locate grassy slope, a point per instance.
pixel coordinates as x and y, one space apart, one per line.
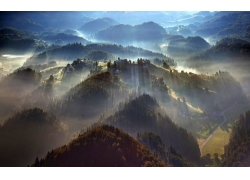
221 136
216 143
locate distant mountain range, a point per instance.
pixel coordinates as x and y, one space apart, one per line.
43 20
127 34
73 51
136 17
16 44
226 50
92 27
228 24
63 39
209 23
183 47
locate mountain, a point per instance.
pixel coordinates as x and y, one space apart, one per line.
94 26
40 67
222 21
228 24
186 47
91 97
144 114
70 31
42 96
199 87
120 33
100 55
41 21
67 52
13 87
155 144
103 146
168 79
20 80
171 37
27 134
180 30
189 98
228 54
219 14
14 44
164 18
226 50
136 17
190 18
71 52
237 150
9 31
127 34
18 33
63 39
14 41
20 20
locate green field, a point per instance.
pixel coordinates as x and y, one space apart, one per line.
221 136
216 143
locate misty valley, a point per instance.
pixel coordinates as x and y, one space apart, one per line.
124 89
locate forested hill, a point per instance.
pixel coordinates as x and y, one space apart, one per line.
96 25
237 152
126 34
40 21
14 86
28 134
186 46
103 146
229 24
20 80
226 50
97 55
91 97
16 43
144 114
155 144
63 39
71 52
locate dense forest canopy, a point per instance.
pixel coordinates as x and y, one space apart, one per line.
155 144
103 146
144 114
186 46
27 134
237 151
